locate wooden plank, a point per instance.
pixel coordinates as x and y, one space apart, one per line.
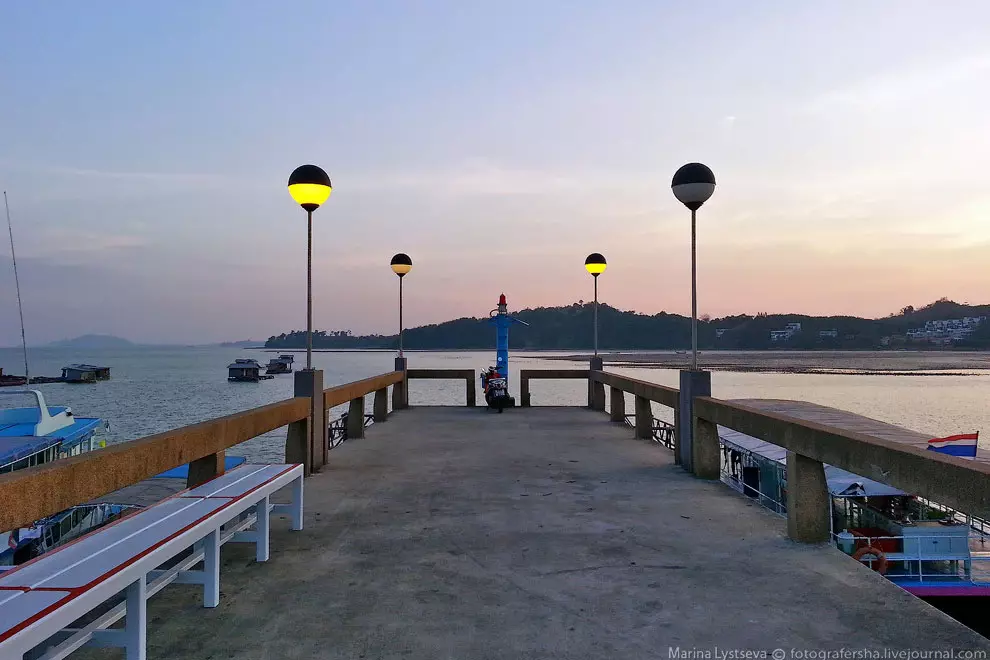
667 396
40 491
955 482
341 394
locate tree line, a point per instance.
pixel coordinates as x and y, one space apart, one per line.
571 328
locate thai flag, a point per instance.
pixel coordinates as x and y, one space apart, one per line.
963 444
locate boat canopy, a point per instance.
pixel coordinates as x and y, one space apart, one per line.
14 448
840 482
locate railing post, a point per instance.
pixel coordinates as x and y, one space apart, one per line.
381 405
470 390
807 500
706 450
677 433
524 397
644 418
306 440
400 391
355 418
203 469
596 390
693 383
618 399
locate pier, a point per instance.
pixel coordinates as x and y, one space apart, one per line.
454 532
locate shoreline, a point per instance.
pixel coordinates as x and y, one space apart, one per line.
865 363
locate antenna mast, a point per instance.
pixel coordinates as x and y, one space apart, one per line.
17 284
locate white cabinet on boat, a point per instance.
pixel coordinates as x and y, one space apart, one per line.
934 540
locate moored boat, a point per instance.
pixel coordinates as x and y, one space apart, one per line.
245 370
280 365
923 547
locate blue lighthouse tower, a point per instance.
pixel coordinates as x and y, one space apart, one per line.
501 320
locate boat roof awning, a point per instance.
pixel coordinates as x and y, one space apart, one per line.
14 448
841 483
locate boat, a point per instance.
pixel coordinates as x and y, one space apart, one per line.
245 370
84 373
39 434
36 435
280 365
925 548
11 381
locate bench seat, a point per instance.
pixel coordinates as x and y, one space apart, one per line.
41 598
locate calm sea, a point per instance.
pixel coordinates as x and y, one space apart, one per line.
156 389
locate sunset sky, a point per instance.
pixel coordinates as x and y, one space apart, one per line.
145 149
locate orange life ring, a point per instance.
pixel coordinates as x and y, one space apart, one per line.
881 565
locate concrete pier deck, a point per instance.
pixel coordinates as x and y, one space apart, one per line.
537 533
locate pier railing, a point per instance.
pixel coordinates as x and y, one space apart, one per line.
467 375
526 375
955 482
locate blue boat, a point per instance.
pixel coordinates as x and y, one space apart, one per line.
40 434
36 435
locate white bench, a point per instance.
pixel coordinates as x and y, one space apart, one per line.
40 599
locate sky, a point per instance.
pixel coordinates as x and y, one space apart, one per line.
145 149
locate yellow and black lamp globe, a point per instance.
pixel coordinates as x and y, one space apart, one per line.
595 264
401 264
310 186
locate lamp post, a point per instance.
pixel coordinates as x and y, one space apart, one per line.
692 185
401 264
595 264
309 186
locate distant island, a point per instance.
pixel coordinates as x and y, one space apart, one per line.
92 342
941 324
244 343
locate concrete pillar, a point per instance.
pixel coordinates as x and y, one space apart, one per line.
693 383
400 391
524 398
808 517
596 390
355 419
470 391
618 400
677 430
203 469
306 441
707 453
644 418
381 405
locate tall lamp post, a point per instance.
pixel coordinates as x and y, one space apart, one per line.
310 186
595 264
692 185
401 264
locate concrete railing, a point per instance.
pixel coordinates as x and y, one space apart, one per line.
467 375
644 393
956 482
36 492
526 375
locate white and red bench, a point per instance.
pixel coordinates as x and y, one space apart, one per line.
137 555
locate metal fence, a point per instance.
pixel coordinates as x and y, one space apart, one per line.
663 432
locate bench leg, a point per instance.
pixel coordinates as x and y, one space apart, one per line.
297 504
261 544
136 620
211 569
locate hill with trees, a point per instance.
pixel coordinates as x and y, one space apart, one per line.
571 327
